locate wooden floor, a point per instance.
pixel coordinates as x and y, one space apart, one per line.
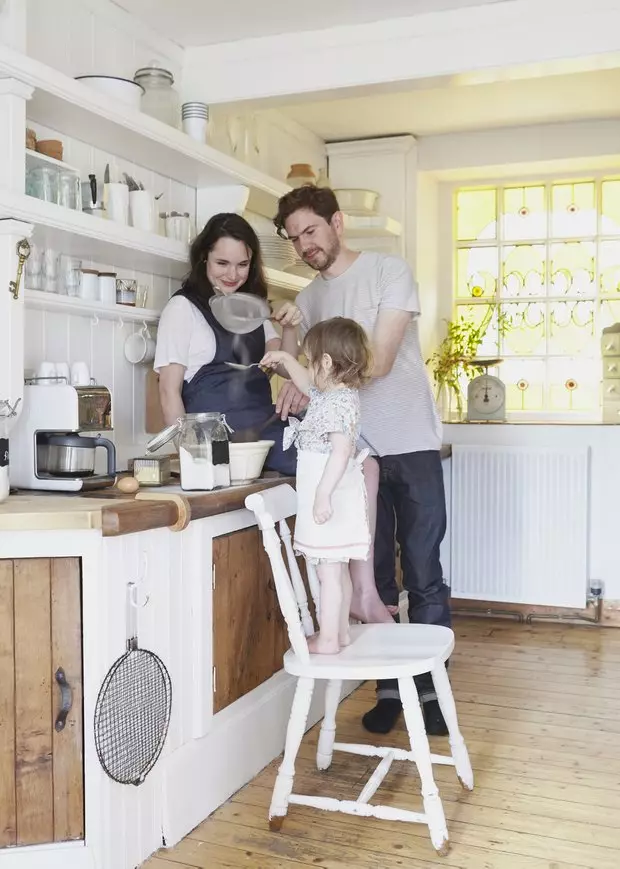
540 710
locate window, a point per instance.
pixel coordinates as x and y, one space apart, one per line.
548 255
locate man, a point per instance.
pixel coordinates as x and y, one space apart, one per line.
400 423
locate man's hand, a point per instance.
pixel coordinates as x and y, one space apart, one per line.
322 510
290 400
288 316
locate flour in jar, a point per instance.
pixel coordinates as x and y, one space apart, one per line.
198 473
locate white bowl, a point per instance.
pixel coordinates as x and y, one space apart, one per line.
122 89
247 460
358 202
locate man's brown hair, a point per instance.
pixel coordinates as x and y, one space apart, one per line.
347 344
320 200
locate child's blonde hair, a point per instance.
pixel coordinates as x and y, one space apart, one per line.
347 344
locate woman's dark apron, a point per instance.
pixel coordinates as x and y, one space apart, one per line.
243 396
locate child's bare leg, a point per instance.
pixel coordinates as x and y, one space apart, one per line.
344 636
326 641
366 605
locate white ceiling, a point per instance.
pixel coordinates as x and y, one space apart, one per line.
204 22
446 106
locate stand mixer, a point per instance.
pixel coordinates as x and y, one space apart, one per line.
54 441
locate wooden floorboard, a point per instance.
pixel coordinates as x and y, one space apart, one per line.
539 706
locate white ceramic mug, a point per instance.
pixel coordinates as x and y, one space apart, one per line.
142 210
62 371
116 198
139 348
80 375
46 370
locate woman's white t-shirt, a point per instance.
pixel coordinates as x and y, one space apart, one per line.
184 337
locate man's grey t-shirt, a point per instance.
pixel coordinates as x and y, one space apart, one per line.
399 414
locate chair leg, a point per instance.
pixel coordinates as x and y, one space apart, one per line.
462 764
325 748
420 749
294 734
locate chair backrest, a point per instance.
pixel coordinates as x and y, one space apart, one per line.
272 508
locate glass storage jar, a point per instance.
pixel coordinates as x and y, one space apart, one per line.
203 450
159 100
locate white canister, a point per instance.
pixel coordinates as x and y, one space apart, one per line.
116 197
107 288
142 210
80 375
89 285
196 128
179 227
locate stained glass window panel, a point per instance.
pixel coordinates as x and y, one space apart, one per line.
610 207
571 328
525 213
476 314
477 272
525 383
523 270
574 384
609 314
476 215
573 269
573 210
526 335
609 267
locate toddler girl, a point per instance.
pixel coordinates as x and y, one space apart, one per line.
332 517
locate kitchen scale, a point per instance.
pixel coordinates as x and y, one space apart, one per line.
486 395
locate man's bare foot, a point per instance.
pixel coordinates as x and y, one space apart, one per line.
321 646
370 612
344 639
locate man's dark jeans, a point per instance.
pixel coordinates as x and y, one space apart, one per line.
411 508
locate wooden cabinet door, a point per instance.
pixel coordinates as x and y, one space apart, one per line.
41 767
249 634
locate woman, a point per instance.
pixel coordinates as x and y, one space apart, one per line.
193 349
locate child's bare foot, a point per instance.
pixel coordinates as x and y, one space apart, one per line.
318 645
344 639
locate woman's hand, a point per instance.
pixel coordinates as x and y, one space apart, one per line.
288 316
322 510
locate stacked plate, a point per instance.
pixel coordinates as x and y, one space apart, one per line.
278 253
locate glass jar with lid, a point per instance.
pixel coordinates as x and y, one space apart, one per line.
159 100
203 450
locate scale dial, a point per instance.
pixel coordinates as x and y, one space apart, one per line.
486 399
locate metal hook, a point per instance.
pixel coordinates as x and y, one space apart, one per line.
133 597
94 320
120 323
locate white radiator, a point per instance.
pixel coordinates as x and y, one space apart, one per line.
519 524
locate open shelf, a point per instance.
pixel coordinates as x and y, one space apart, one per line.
41 301
76 110
371 226
93 238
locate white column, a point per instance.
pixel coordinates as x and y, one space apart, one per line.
11 312
13 100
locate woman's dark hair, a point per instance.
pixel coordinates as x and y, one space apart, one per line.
225 226
320 200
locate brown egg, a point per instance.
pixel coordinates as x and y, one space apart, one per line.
127 485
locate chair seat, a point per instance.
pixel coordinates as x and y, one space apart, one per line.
379 652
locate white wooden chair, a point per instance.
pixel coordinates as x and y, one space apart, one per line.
376 652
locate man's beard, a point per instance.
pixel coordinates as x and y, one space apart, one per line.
323 259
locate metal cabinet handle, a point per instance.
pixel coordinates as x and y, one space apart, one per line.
66 699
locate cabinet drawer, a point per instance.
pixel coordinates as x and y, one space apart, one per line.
611 367
611 391
611 412
610 344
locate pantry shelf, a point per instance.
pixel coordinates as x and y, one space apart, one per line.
284 286
38 300
93 238
76 110
371 226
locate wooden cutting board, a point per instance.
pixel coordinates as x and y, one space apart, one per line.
154 416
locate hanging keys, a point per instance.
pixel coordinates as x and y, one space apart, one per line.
23 252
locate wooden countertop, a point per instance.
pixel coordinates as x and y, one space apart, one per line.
114 513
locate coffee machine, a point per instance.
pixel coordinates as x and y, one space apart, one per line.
54 441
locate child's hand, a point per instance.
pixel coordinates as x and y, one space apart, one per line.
322 510
273 358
